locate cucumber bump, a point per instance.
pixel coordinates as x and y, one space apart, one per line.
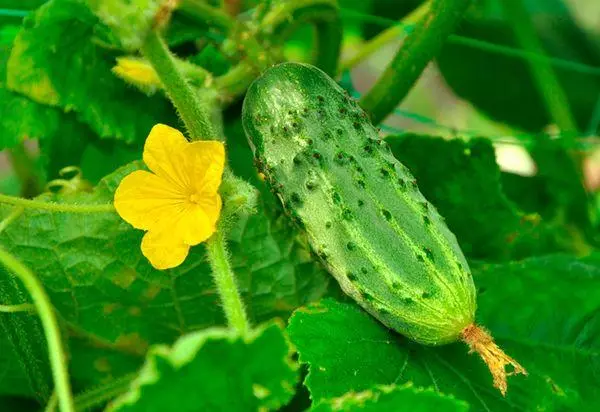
385 244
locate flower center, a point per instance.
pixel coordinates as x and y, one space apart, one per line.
195 198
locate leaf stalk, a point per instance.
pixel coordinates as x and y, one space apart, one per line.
412 58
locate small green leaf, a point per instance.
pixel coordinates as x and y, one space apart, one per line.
392 398
215 369
55 61
129 20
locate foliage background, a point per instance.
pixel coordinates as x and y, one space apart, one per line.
143 339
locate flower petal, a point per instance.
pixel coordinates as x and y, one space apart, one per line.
199 221
145 200
162 250
206 160
163 153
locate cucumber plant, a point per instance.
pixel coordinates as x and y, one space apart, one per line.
96 314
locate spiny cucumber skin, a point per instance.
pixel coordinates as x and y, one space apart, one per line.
378 236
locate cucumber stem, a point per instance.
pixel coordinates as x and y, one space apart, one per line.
412 58
481 342
194 115
225 280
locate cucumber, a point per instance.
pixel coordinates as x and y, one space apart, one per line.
385 244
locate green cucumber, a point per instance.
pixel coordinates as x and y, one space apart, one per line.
365 217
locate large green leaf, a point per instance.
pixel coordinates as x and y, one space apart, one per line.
557 300
106 291
391 398
215 370
64 141
551 330
55 61
462 180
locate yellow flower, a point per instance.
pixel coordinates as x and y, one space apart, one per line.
137 72
178 204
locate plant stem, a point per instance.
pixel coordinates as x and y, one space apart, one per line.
235 82
56 207
21 307
12 216
52 403
99 396
386 36
412 58
198 121
45 311
285 17
553 94
226 284
201 11
194 115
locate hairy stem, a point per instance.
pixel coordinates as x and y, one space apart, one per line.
386 36
226 283
47 316
412 58
56 207
195 117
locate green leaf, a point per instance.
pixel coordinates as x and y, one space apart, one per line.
347 350
55 61
391 398
107 292
14 379
26 353
215 369
21 117
554 300
486 223
129 20
62 137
